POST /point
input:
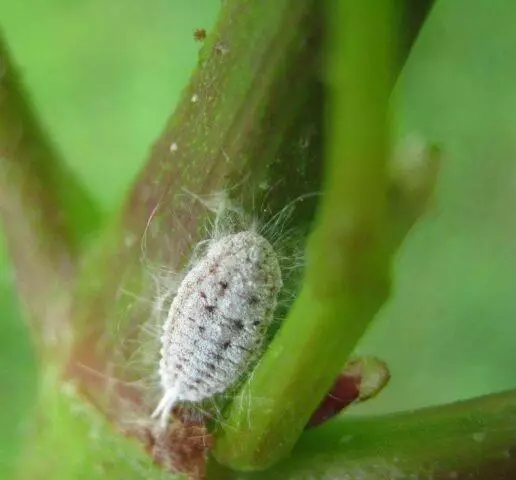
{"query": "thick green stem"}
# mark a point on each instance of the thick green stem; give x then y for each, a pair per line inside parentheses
(251, 110)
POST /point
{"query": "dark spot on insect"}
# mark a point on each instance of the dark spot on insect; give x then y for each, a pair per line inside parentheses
(199, 34)
(226, 344)
(179, 366)
(223, 285)
(213, 269)
(211, 366)
(239, 325)
(203, 295)
(256, 323)
(202, 328)
(197, 381)
(210, 308)
(191, 319)
(231, 361)
(253, 300)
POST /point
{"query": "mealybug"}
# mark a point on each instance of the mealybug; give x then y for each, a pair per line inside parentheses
(218, 319)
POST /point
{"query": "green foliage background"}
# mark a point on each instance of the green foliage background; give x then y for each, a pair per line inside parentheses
(105, 76)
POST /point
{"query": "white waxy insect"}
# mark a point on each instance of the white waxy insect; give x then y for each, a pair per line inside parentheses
(217, 321)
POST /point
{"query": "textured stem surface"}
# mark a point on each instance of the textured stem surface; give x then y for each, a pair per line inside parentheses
(471, 439)
(46, 215)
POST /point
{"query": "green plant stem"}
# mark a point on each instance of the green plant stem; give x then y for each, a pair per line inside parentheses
(348, 257)
(256, 112)
(227, 132)
(46, 215)
(470, 439)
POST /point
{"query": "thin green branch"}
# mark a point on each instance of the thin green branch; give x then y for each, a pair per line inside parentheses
(348, 254)
(471, 439)
(46, 215)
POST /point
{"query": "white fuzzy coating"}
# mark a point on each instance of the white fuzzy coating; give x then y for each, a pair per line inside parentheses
(218, 319)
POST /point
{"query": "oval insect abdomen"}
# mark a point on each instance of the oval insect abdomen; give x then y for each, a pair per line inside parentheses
(217, 321)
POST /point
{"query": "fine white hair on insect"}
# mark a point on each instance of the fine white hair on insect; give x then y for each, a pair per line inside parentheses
(216, 312)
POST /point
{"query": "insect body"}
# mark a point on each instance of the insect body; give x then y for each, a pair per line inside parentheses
(217, 321)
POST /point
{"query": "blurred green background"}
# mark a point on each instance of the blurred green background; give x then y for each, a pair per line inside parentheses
(106, 75)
